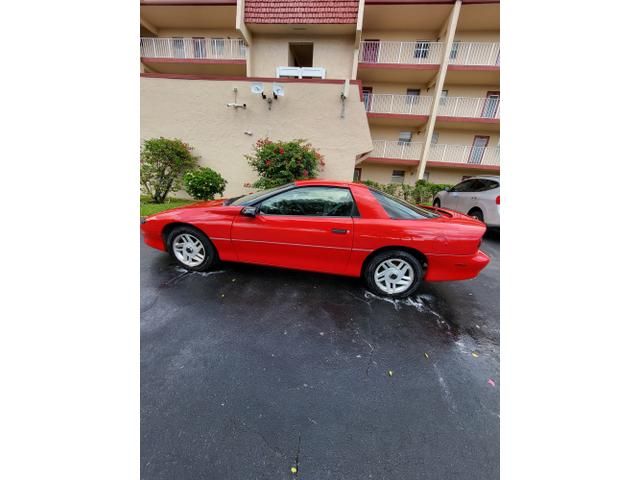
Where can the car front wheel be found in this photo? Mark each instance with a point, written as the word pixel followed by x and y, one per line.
pixel 191 248
pixel 393 273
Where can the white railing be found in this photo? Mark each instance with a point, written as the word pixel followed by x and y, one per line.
pixel 475 53
pixel 193 48
pixel 396 149
pixel 300 72
pixel 415 52
pixel 401 104
pixel 486 107
pixel 464 154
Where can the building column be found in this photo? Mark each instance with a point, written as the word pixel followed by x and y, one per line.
pixel 452 23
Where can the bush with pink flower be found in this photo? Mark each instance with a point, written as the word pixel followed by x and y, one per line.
pixel 278 163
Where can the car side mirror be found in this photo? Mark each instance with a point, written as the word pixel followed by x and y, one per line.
pixel 249 212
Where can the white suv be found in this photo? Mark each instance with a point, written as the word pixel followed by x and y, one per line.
pixel 477 197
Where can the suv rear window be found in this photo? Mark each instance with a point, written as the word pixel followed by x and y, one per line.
pixel 399 209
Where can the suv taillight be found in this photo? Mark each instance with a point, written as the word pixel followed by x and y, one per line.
pixel 498 200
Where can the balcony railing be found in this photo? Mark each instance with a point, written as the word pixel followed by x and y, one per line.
pixel 475 53
pixel 193 48
pixel 399 104
pixel 416 52
pixel 397 149
pixel 464 154
pixel 486 107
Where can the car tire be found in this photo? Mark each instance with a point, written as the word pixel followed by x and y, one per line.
pixel 387 267
pixel 477 214
pixel 191 248
pixel 436 203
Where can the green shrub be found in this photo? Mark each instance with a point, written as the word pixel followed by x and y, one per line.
pixel 278 163
pixel 204 183
pixel 421 192
pixel 163 162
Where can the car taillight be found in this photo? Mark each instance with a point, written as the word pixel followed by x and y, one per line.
pixel 498 200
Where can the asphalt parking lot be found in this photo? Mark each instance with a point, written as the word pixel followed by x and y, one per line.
pixel 249 371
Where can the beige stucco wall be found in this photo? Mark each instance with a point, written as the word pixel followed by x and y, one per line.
pixel 452 176
pixel 399 35
pixel 382 173
pixel 199 32
pixel 334 53
pixel 472 91
pixel 196 112
pixel 477 36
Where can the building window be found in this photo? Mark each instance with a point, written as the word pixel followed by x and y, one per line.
pixel 301 54
pixel 217 47
pixel 178 47
pixel 199 47
pixel 405 137
pixel 425 177
pixel 357 174
pixel 397 176
pixel 454 49
pixel 413 95
pixel 443 97
pixel 422 49
pixel 434 137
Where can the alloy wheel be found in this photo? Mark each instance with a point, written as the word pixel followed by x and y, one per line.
pixel 394 275
pixel 189 250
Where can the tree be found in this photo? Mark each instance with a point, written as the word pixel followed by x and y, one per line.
pixel 163 162
pixel 204 183
pixel 278 163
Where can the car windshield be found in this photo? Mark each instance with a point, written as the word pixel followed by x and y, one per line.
pixel 252 197
pixel 399 209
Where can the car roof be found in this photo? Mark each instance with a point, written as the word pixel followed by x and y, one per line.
pixel 328 183
pixel 490 177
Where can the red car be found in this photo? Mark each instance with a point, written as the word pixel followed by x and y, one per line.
pixel 341 228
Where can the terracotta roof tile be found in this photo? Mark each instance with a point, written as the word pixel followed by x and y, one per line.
pixel 301 11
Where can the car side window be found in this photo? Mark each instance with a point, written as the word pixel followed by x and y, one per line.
pixel 461 187
pixel 487 185
pixel 311 201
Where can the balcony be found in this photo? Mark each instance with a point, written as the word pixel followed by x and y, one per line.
pixel 468 112
pixel 474 63
pixel 391 109
pixel 414 61
pixel 464 156
pixel 393 152
pixel 214 56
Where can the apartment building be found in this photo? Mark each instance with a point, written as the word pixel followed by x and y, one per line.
pixel 390 91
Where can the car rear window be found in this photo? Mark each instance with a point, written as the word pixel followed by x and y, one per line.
pixel 399 209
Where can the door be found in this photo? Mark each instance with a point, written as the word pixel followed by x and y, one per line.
pixel 491 104
pixel 366 93
pixel 306 228
pixel 478 148
pixel 370 51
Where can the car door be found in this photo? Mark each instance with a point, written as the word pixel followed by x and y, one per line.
pixel 306 228
pixel 450 200
pixel 466 198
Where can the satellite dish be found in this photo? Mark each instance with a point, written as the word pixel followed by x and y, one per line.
pixel 257 88
pixel 278 89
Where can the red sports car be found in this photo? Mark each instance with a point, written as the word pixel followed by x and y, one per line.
pixel 341 228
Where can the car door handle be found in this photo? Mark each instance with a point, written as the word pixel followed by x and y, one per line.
pixel 340 231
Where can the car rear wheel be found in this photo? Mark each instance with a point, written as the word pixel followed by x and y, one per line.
pixel 191 248
pixel 393 273
pixel 436 203
pixel 477 214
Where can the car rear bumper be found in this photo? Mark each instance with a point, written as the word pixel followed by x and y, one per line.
pixel 442 268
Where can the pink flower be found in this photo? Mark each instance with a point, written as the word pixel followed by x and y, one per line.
pixel 282 151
